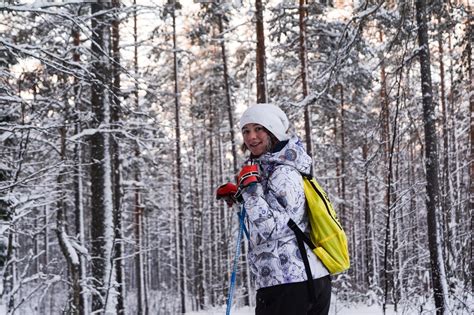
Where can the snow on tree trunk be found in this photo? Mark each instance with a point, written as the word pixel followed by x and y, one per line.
pixel 138 206
pixel 78 177
pixel 180 206
pixel 438 275
pixel 116 160
pixel 5 221
pixel 304 75
pixel 470 34
pixel 102 228
pixel 76 305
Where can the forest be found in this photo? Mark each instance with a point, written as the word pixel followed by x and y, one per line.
pixel 119 119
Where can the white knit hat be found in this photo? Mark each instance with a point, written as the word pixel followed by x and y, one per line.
pixel 269 116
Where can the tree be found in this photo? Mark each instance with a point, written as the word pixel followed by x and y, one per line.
pixel 304 74
pixel 470 38
pixel 438 274
pixel 181 250
pixel 367 138
pixel 262 96
pixel 116 159
pixel 102 229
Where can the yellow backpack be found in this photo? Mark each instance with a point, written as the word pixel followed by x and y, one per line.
pixel 327 238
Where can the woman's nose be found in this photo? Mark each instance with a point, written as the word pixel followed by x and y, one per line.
pixel 252 134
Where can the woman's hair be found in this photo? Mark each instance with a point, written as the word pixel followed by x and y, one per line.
pixel 271 144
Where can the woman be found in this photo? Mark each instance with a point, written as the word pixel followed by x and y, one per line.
pixel 271 189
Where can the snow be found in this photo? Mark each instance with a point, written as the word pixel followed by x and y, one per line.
pixel 354 310
pixel 70 249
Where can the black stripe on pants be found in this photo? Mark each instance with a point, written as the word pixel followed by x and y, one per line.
pixel 292 299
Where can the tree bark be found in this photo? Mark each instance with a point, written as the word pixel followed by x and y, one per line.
pixel 304 75
pixel 385 117
pixel 470 34
pixel 78 176
pixel 262 96
pixel 181 250
pixel 76 305
pixel 369 265
pixel 213 249
pixel 230 115
pixel 138 208
pixel 6 267
pixel 344 218
pixel 102 229
pixel 116 161
pixel 228 94
pixel 446 187
pixel 438 275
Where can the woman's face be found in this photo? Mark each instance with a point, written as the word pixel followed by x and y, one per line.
pixel 256 138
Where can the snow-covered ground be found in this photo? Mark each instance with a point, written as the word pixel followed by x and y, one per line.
pixel 352 309
pixel 357 310
pixel 335 309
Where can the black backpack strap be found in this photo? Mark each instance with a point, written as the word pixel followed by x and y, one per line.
pixel 301 238
pixel 296 229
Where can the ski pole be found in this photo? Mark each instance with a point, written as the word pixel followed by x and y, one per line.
pixel 241 219
pixel 236 259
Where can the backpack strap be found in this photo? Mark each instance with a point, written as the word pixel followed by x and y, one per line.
pixel 301 238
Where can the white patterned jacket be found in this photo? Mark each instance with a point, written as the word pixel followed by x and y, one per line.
pixel 274 257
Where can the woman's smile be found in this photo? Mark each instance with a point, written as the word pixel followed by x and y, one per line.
pixel 256 138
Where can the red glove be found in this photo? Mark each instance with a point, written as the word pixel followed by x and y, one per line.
pixel 227 192
pixel 248 175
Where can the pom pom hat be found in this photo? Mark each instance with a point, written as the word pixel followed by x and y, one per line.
pixel 269 116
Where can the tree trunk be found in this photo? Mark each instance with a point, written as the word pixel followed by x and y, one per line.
pixel 470 34
pixel 262 96
pixel 213 249
pixel 116 161
pixel 438 275
pixel 368 235
pixel 344 218
pixel 230 115
pixel 78 175
pixel 228 95
pixel 72 258
pixel 181 252
pixel 197 225
pixel 304 75
pixel 5 220
pixel 102 229
pixel 385 117
pixel 138 208
pixel 206 271
pixel 446 187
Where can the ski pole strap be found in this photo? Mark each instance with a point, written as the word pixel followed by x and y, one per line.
pixel 236 260
pixel 300 238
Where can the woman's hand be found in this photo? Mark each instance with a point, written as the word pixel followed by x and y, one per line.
pixel 227 192
pixel 249 174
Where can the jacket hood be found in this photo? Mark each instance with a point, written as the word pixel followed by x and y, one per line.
pixel 292 154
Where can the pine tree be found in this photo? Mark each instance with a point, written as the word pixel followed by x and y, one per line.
pixel 438 274
pixel 102 229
